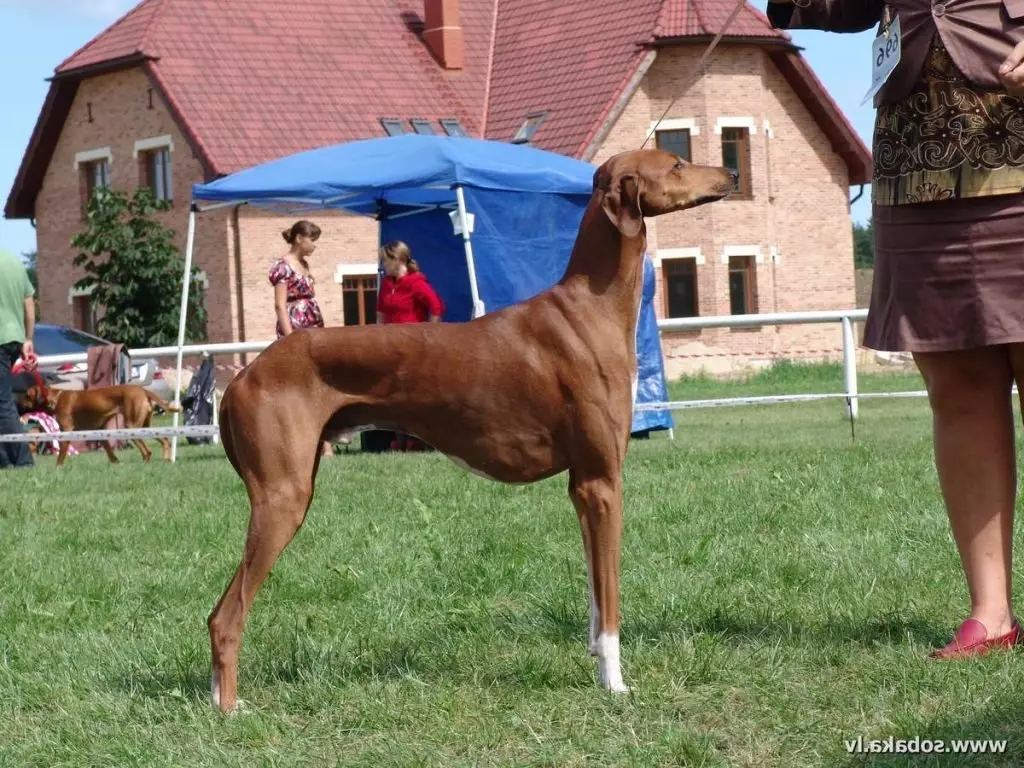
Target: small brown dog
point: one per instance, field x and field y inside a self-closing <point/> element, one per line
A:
<point x="86" y="409"/>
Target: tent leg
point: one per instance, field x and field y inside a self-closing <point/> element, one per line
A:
<point x="189" y="245"/>
<point x="478" y="306"/>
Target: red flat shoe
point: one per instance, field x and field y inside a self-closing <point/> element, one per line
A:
<point x="970" y="641"/>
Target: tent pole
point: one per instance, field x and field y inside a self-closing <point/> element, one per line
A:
<point x="478" y="306"/>
<point x="189" y="245"/>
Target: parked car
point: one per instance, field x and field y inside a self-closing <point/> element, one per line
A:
<point x="61" y="340"/>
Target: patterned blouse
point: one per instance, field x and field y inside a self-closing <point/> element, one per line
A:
<point x="303" y="311"/>
<point x="947" y="140"/>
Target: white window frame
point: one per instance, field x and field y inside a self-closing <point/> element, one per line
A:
<point x="157" y="142"/>
<point x="678" y="253"/>
<point x="74" y="293"/>
<point x="736" y="122"/>
<point x="92" y="155"/>
<point x="362" y="269"/>
<point x="742" y="250"/>
<point x="676" y="124"/>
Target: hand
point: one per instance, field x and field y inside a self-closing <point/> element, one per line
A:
<point x="1011" y="71"/>
<point x="28" y="355"/>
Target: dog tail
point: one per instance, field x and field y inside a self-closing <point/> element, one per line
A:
<point x="160" y="403"/>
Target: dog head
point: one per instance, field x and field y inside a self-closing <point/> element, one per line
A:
<point x="38" y="398"/>
<point x="652" y="182"/>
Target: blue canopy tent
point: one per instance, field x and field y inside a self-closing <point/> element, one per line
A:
<point x="491" y="223"/>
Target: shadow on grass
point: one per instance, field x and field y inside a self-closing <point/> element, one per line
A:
<point x="560" y="622"/>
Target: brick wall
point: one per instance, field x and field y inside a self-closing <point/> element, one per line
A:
<point x="233" y="246"/>
<point x="345" y="239"/>
<point x="119" y="105"/>
<point x="799" y="206"/>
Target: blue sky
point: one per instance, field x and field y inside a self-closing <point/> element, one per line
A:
<point x="39" y="34"/>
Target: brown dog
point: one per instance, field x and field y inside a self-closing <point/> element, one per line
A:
<point x="519" y="395"/>
<point x="85" y="409"/>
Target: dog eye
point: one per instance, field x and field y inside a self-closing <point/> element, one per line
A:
<point x="679" y="165"/>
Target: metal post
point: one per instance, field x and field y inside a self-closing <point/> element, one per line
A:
<point x="478" y="306"/>
<point x="850" y="367"/>
<point x="216" y="415"/>
<point x="189" y="244"/>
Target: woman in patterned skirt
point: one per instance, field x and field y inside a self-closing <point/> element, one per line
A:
<point x="948" y="213"/>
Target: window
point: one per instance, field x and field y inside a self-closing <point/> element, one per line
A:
<point x="422" y="126"/>
<point x="83" y="314"/>
<point x="680" y="280"/>
<point x="736" y="155"/>
<point x="529" y="128"/>
<point x="359" y="300"/>
<point x="742" y="287"/>
<point x="676" y="141"/>
<point x="94" y="174"/>
<point x="155" y="172"/>
<point x="392" y="126"/>
<point x="452" y="127"/>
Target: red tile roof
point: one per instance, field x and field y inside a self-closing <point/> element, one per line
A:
<point x="248" y="82"/>
<point x="700" y="18"/>
<point x="571" y="57"/>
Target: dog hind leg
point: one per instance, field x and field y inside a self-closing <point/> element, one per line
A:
<point x="280" y="492"/>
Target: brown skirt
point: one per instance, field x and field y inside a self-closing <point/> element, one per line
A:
<point x="949" y="275"/>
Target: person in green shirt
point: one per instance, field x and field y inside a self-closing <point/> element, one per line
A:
<point x="17" y="325"/>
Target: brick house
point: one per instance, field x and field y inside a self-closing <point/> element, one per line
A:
<point x="183" y="91"/>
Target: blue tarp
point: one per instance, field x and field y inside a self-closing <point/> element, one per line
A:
<point x="651" y="386"/>
<point x="526" y="205"/>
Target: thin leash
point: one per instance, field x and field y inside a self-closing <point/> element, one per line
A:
<point x="699" y="69"/>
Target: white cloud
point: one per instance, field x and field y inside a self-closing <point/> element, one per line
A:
<point x="104" y="10"/>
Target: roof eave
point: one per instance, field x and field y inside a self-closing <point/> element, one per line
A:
<point x="103" y="67"/>
<point x="21" y="201"/>
<point x="765" y="42"/>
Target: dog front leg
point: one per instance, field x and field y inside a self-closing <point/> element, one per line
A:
<point x="109" y="448"/>
<point x="599" y="501"/>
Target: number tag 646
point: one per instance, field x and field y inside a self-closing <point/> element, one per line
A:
<point x="885" y="52"/>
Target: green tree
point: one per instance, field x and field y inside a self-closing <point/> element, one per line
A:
<point x="28" y="258"/>
<point x="864" y="245"/>
<point x="136" y="269"/>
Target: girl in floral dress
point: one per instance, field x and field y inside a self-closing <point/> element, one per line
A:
<point x="294" y="294"/>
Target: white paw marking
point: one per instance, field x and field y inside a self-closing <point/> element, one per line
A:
<point x="215" y="690"/>
<point x="594" y="614"/>
<point x="608" y="663"/>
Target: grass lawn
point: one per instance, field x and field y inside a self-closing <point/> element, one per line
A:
<point x="782" y="585"/>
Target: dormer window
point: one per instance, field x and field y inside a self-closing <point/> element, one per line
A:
<point x="529" y="128"/>
<point x="392" y="126"/>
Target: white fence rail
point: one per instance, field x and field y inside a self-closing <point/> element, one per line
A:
<point x="846" y="318"/>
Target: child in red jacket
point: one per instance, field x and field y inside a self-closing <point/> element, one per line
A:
<point x="405" y="296"/>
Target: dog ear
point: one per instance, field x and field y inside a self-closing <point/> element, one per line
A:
<point x="622" y="204"/>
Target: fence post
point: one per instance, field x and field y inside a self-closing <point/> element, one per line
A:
<point x="216" y="414"/>
<point x="850" y="367"/>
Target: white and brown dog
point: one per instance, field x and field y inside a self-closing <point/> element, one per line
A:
<point x="553" y="389"/>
